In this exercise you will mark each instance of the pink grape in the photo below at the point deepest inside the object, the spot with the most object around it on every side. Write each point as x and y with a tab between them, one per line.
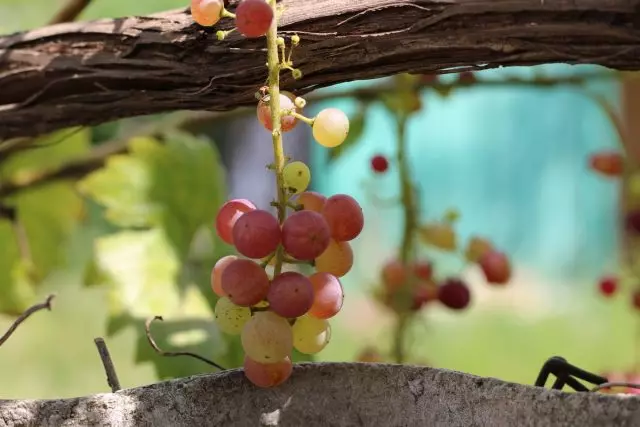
206	12
287	122
216	274
290	294
253	18
344	216
311	201
245	282
256	234
267	375
305	235
229	214
337	259
328	295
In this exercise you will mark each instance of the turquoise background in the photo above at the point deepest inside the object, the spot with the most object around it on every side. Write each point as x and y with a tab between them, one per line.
512	160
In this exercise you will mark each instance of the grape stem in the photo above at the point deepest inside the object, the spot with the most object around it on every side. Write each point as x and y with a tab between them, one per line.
407	197
273	63
300	117
226	14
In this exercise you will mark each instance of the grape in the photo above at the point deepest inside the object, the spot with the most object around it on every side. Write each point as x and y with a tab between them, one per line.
267	375
229	214
290	294
328	295
216	274
394	275
423	270
312	201
267	337
231	318
297	177
256	234
310	334
287	122
245	282
337	259
330	127
305	235
253	18
454	293
476	248
344	216
206	12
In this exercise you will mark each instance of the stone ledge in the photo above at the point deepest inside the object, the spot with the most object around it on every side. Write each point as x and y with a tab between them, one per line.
331	394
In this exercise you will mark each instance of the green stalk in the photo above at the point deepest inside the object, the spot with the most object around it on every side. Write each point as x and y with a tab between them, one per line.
410	224
273	63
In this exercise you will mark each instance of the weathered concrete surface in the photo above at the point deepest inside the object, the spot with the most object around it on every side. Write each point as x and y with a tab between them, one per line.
331	394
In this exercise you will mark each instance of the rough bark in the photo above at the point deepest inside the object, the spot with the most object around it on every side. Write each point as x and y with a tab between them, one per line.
331	394
88	73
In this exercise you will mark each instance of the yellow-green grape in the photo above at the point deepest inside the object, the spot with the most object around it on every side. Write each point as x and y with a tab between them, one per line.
231	318
330	127
297	177
267	337
310	334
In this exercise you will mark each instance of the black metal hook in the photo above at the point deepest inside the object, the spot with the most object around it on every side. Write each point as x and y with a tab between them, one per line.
566	374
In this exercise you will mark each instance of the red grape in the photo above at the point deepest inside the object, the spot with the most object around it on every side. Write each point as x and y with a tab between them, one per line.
635	298
455	294
608	286
423	270
424	293
328	295
305	235
267	375
253	18
610	164
496	267
336	260
379	164
256	234
245	282
394	275
312	201
290	294
216	274
287	122
229	214
344	216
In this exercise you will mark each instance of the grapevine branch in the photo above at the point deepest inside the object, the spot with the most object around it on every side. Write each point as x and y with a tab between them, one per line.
152	343
73	74
77	169
109	368
70	11
24	316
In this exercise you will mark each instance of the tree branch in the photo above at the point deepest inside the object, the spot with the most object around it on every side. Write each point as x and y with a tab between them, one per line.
331	394
70	11
79	168
89	73
24	316
107	363
152	343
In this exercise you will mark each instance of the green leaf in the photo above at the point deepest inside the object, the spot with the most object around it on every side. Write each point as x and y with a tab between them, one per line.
141	268
34	245
46	152
178	185
356	128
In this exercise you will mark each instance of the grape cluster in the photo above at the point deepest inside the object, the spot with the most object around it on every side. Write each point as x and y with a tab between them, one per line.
409	287
275	311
